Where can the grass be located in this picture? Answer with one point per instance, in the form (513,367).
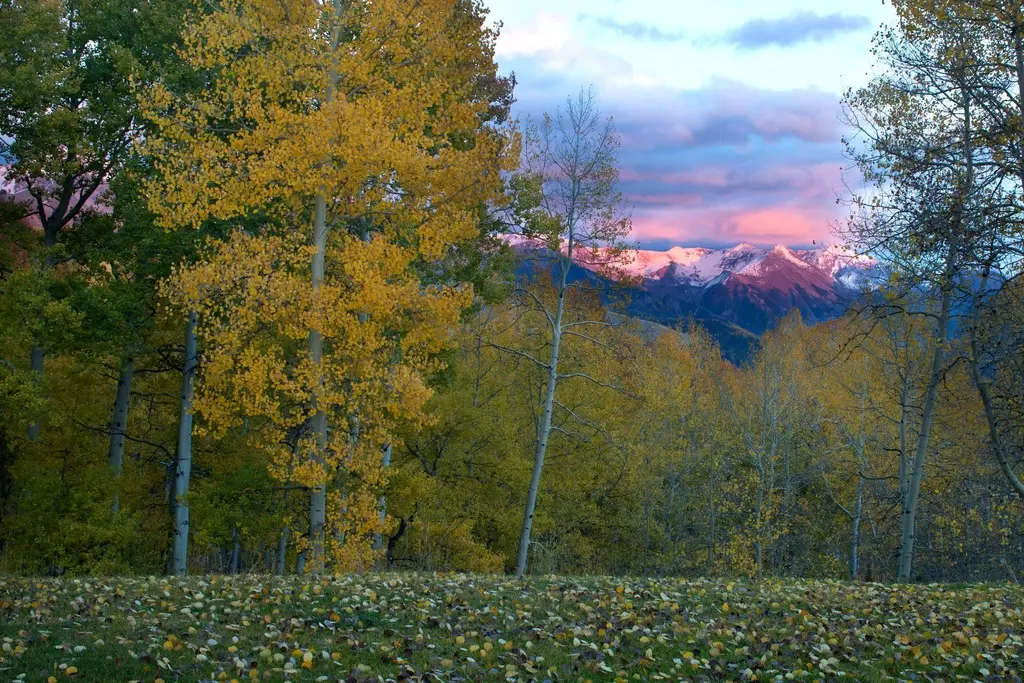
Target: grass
(476,628)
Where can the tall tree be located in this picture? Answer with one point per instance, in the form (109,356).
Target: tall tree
(571,159)
(364,121)
(917,126)
(68,114)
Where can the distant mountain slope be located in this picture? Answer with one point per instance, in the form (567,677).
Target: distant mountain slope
(739,292)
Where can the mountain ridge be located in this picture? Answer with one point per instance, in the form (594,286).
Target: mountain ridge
(736,292)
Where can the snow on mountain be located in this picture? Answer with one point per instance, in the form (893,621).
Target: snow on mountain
(739,292)
(647,264)
(779,267)
(702,267)
(834,257)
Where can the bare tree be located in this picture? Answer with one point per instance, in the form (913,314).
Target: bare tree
(570,161)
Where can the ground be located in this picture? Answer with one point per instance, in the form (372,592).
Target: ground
(378,627)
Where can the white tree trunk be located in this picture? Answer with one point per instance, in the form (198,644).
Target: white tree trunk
(318,493)
(758,514)
(385,462)
(183,466)
(908,528)
(282,551)
(119,426)
(543,434)
(855,524)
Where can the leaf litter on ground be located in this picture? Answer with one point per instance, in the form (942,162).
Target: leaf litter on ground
(452,628)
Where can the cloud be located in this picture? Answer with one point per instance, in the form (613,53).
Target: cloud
(716,164)
(756,200)
(729,163)
(799,27)
(729,114)
(547,40)
(635,30)
(720,164)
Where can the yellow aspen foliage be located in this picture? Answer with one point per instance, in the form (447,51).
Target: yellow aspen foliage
(354,136)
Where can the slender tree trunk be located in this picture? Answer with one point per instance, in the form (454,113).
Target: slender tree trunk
(282,551)
(385,462)
(183,466)
(647,534)
(1018,50)
(998,448)
(758,548)
(938,355)
(855,523)
(904,464)
(318,493)
(51,226)
(908,527)
(543,433)
(783,554)
(119,426)
(712,517)
(236,551)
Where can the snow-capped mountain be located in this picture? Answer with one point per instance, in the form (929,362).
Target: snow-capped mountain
(779,266)
(738,292)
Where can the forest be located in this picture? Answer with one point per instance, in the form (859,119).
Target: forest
(286,288)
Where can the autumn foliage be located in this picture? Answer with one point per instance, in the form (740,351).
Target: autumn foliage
(322,314)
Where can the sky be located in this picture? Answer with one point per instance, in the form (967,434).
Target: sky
(728,110)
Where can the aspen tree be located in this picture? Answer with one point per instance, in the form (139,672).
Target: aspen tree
(355,130)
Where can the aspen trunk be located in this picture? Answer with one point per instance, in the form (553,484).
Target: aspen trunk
(236,551)
(1018,53)
(385,462)
(51,226)
(119,426)
(183,466)
(758,548)
(543,433)
(282,551)
(318,492)
(712,518)
(855,523)
(908,527)
(995,438)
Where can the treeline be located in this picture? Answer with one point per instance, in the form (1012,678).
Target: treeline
(260,314)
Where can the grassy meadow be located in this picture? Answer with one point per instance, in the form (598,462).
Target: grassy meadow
(406,627)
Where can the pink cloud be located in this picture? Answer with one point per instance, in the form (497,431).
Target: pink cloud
(665,200)
(795,225)
(783,202)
